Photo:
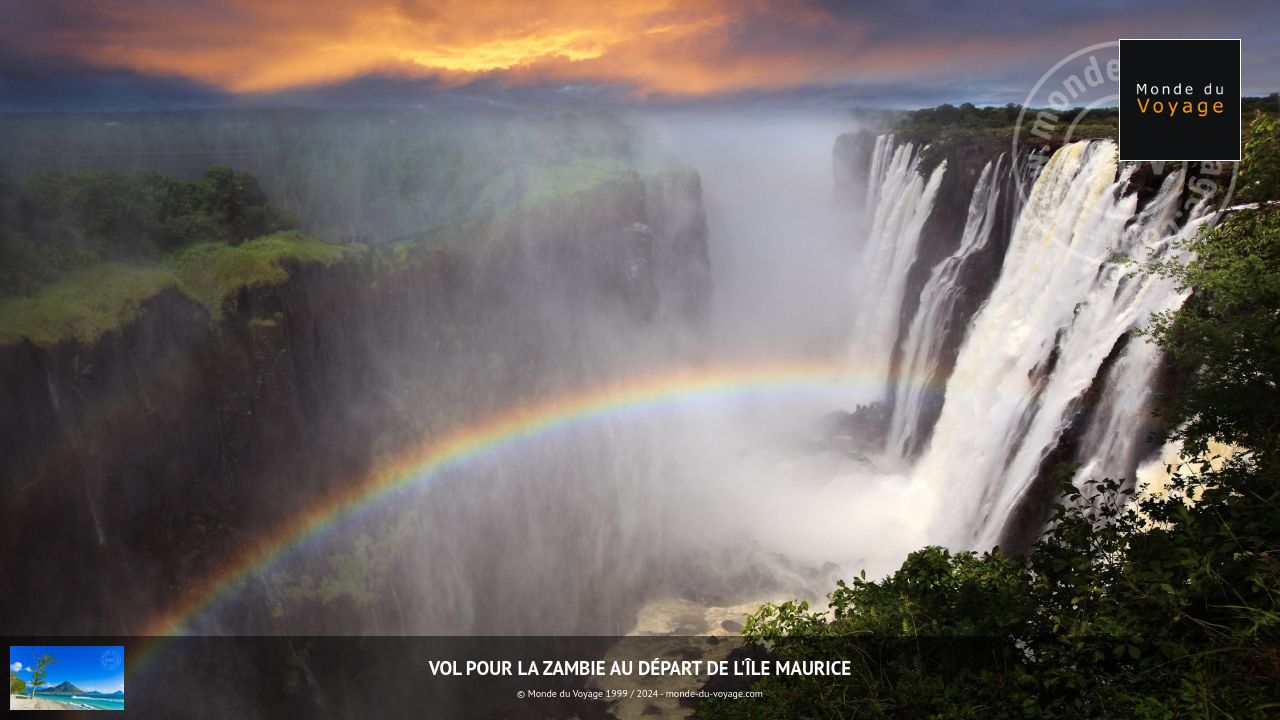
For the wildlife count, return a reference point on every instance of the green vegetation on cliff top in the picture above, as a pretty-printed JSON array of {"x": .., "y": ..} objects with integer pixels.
[
  {"x": 87, "y": 303},
  {"x": 947, "y": 126},
  {"x": 81, "y": 251},
  {"x": 83, "y": 305},
  {"x": 379, "y": 176},
  {"x": 211, "y": 272}
]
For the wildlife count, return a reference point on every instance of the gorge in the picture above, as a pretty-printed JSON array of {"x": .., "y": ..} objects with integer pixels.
[{"x": 747, "y": 365}]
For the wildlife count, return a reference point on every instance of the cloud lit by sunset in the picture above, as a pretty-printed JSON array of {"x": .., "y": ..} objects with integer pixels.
[
  {"x": 651, "y": 45},
  {"x": 638, "y": 50}
]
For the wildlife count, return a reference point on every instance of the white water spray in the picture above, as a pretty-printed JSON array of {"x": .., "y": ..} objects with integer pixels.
[
  {"x": 1057, "y": 311},
  {"x": 928, "y": 330},
  {"x": 899, "y": 202}
]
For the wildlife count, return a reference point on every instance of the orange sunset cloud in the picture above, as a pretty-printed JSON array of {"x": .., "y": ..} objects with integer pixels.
[
  {"x": 653, "y": 46},
  {"x": 639, "y": 49}
]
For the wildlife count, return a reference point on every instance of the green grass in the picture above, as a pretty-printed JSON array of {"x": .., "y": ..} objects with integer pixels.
[
  {"x": 88, "y": 303},
  {"x": 558, "y": 182},
  {"x": 212, "y": 272},
  {"x": 84, "y": 305}
]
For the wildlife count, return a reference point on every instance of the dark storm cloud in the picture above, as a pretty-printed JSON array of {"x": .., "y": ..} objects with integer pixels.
[{"x": 37, "y": 84}]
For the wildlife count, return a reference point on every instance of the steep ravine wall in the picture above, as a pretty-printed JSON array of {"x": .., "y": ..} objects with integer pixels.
[{"x": 136, "y": 464}]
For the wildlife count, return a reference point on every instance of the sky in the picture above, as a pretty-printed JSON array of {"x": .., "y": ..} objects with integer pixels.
[
  {"x": 84, "y": 666},
  {"x": 143, "y": 54}
]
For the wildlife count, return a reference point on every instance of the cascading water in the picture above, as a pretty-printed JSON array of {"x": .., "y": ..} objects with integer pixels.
[
  {"x": 1117, "y": 433},
  {"x": 899, "y": 203},
  {"x": 919, "y": 373},
  {"x": 1057, "y": 311},
  {"x": 1116, "y": 438}
]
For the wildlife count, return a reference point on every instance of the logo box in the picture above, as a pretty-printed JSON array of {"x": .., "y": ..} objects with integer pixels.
[{"x": 1179, "y": 100}]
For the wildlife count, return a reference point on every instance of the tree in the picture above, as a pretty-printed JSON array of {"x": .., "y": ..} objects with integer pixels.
[
  {"x": 238, "y": 202},
  {"x": 40, "y": 672},
  {"x": 16, "y": 684},
  {"x": 1127, "y": 608},
  {"x": 1224, "y": 338},
  {"x": 56, "y": 221},
  {"x": 1260, "y": 166}
]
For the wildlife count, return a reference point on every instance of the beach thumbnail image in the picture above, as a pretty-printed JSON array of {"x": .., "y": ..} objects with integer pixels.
[{"x": 66, "y": 677}]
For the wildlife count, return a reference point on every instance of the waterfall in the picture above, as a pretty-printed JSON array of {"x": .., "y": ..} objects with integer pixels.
[
  {"x": 1114, "y": 441},
  {"x": 1118, "y": 435},
  {"x": 1059, "y": 308},
  {"x": 918, "y": 373},
  {"x": 899, "y": 202}
]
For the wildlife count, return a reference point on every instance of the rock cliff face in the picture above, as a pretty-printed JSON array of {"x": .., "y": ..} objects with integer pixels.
[{"x": 137, "y": 464}]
